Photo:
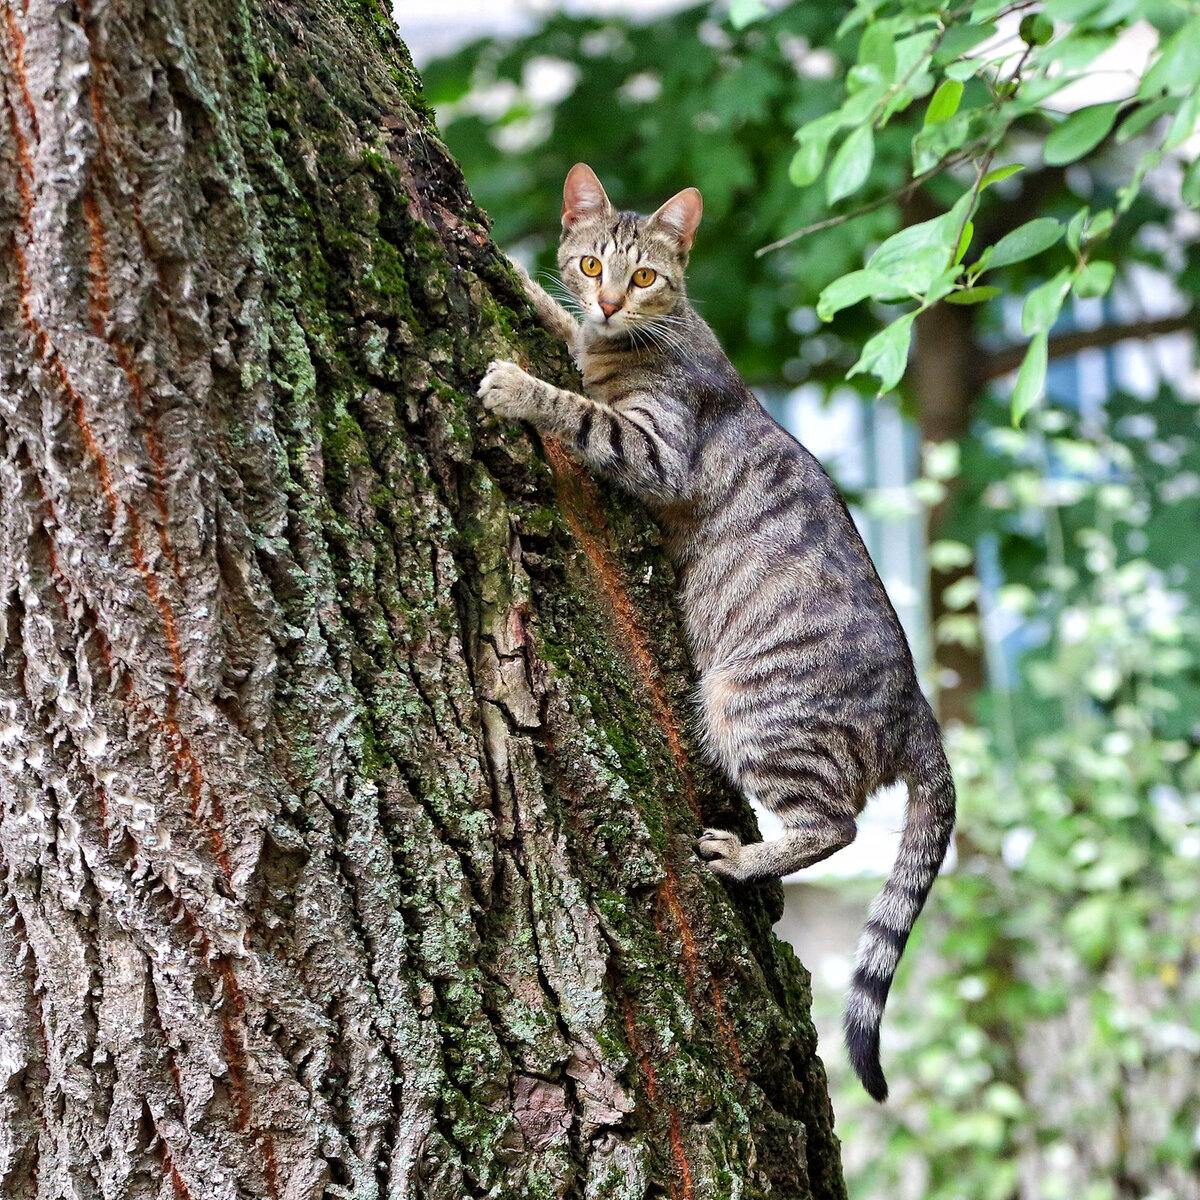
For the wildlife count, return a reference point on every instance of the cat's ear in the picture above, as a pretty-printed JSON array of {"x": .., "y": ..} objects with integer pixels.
[
  {"x": 680, "y": 217},
  {"x": 583, "y": 195}
]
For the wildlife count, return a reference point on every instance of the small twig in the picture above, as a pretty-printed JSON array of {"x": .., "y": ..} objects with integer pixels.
[
  {"x": 899, "y": 194},
  {"x": 1009, "y": 358}
]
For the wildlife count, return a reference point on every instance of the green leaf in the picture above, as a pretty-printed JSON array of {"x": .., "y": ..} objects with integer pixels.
[
  {"x": 745, "y": 12},
  {"x": 916, "y": 256},
  {"x": 1177, "y": 69},
  {"x": 807, "y": 162},
  {"x": 1000, "y": 174},
  {"x": 877, "y": 49},
  {"x": 860, "y": 107},
  {"x": 959, "y": 39},
  {"x": 1075, "y": 228},
  {"x": 972, "y": 295},
  {"x": 1184, "y": 124},
  {"x": 1191, "y": 185},
  {"x": 1128, "y": 194},
  {"x": 1144, "y": 115},
  {"x": 1081, "y": 132},
  {"x": 962, "y": 69},
  {"x": 1099, "y": 226},
  {"x": 1031, "y": 378},
  {"x": 886, "y": 354},
  {"x": 851, "y": 164},
  {"x": 968, "y": 232},
  {"x": 1025, "y": 241},
  {"x": 852, "y": 288},
  {"x": 1094, "y": 279},
  {"x": 1044, "y": 303},
  {"x": 822, "y": 127},
  {"x": 944, "y": 103},
  {"x": 1086, "y": 228}
]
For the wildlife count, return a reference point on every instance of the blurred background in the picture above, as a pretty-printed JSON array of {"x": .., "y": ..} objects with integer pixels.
[{"x": 1043, "y": 1036}]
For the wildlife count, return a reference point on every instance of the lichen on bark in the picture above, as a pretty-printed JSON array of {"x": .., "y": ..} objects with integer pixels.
[{"x": 349, "y": 797}]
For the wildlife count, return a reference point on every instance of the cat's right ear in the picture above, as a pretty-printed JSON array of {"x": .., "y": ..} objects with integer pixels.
[{"x": 583, "y": 196}]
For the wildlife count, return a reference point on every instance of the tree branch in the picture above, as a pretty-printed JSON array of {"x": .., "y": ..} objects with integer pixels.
[{"x": 1001, "y": 362}]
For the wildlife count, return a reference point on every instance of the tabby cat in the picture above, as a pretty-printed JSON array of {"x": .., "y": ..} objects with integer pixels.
[{"x": 808, "y": 696}]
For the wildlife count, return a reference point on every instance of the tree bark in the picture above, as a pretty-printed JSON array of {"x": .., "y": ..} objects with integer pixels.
[{"x": 348, "y": 793}]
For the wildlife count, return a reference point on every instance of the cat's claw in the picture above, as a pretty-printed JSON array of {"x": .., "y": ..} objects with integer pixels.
[{"x": 721, "y": 849}]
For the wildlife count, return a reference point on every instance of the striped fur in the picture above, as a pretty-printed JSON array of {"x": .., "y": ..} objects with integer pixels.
[{"x": 807, "y": 694}]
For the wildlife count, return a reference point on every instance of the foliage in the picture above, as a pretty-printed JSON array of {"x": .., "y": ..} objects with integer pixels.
[
  {"x": 1046, "y": 1039},
  {"x": 990, "y": 78}
]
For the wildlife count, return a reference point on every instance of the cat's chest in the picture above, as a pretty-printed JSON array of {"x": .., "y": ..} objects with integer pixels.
[{"x": 610, "y": 375}]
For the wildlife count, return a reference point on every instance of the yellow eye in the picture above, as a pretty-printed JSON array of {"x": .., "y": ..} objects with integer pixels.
[
  {"x": 644, "y": 277},
  {"x": 590, "y": 266}
]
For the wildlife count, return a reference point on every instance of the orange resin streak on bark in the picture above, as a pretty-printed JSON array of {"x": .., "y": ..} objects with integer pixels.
[
  {"x": 170, "y": 1171},
  {"x": 186, "y": 765},
  {"x": 668, "y": 893},
  {"x": 728, "y": 1035},
  {"x": 99, "y": 305},
  {"x": 642, "y": 1056},
  {"x": 681, "y": 1162},
  {"x": 576, "y": 493},
  {"x": 574, "y": 484},
  {"x": 100, "y": 311},
  {"x": 18, "y": 41},
  {"x": 682, "y": 1168},
  {"x": 236, "y": 1061}
]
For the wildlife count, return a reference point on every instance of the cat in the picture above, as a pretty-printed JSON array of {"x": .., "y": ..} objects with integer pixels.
[{"x": 808, "y": 696}]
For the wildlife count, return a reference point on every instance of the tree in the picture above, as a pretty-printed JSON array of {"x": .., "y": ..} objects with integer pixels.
[{"x": 349, "y": 799}]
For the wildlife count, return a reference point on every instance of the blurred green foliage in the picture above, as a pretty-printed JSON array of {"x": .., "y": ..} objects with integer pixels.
[{"x": 1044, "y": 1036}]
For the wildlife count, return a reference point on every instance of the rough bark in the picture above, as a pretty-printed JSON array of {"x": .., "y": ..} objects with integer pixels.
[{"x": 348, "y": 796}]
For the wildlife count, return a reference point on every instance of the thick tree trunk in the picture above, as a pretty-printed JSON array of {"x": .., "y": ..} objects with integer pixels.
[{"x": 348, "y": 799}]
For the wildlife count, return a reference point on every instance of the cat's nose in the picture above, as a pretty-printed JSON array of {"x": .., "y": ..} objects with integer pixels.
[{"x": 607, "y": 307}]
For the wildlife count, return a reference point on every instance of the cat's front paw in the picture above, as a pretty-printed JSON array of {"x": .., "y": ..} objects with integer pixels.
[
  {"x": 722, "y": 851},
  {"x": 508, "y": 391}
]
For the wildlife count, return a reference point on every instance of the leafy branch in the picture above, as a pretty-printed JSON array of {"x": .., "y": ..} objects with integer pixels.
[{"x": 900, "y": 59}]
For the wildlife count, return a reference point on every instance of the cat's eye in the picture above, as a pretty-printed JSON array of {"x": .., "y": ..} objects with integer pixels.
[
  {"x": 644, "y": 277},
  {"x": 590, "y": 266}
]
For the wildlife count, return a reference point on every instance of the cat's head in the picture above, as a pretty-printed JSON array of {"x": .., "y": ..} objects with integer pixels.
[{"x": 625, "y": 269}]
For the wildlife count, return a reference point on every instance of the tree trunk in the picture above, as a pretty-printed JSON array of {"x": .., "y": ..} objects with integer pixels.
[
  {"x": 945, "y": 381},
  {"x": 348, "y": 795}
]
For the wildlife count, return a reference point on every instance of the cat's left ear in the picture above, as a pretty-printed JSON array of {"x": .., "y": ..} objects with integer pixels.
[{"x": 680, "y": 217}]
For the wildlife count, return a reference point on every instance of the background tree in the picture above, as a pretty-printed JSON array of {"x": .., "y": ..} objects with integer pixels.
[
  {"x": 348, "y": 803},
  {"x": 1046, "y": 1017}
]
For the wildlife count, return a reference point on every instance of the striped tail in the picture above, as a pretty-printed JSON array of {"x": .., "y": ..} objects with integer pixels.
[{"x": 928, "y": 825}]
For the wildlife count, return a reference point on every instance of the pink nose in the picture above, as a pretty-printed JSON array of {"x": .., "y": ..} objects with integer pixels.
[{"x": 608, "y": 308}]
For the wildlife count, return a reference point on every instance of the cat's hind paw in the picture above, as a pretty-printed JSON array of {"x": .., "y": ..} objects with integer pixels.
[{"x": 722, "y": 851}]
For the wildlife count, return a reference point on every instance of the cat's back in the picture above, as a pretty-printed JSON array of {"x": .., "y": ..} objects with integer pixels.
[{"x": 767, "y": 552}]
